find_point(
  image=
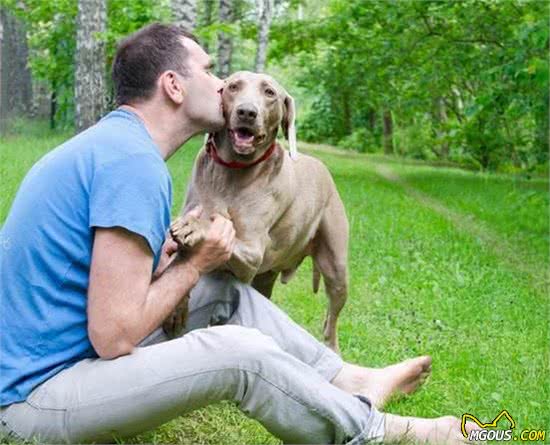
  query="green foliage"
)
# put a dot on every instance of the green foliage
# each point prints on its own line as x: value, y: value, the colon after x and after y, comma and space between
x: 360, y: 140
x: 485, y: 60
x: 416, y: 140
x: 52, y: 35
x: 126, y: 17
x: 465, y: 81
x: 51, y: 38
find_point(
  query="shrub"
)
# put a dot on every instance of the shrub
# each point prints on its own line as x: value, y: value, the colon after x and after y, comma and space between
x: 360, y: 140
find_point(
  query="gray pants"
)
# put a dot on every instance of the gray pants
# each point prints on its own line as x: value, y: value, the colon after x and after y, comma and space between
x: 238, y: 346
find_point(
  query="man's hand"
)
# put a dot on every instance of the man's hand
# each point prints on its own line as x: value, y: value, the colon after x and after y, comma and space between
x: 216, y: 247
x: 205, y: 243
x: 168, y: 254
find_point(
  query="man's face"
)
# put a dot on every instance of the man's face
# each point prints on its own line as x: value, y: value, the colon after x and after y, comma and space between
x: 202, y: 103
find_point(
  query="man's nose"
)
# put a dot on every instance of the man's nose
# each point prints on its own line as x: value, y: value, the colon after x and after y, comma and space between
x: 247, y: 112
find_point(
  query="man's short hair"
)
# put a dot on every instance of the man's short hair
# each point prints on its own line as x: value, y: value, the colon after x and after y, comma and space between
x: 143, y: 56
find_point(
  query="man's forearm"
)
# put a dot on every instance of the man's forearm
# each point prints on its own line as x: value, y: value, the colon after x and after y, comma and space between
x: 124, y: 305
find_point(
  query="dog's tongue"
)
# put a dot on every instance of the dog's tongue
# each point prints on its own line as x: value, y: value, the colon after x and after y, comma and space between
x: 243, y: 136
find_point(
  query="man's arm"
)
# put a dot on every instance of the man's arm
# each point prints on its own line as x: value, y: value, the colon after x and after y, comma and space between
x: 124, y: 306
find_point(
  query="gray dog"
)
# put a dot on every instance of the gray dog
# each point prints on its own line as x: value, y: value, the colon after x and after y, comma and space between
x: 284, y: 206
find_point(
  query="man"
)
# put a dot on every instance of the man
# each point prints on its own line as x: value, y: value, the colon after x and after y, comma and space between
x: 82, y: 355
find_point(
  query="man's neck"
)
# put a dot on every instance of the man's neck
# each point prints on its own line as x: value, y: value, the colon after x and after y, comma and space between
x: 167, y: 131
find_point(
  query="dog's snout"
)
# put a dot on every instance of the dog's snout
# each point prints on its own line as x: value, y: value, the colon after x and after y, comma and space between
x: 247, y: 112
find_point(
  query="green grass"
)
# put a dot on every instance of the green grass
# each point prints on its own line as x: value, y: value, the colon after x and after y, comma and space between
x: 509, y: 204
x: 421, y: 283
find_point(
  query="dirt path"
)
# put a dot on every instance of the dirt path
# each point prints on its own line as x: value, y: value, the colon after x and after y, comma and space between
x: 510, y: 254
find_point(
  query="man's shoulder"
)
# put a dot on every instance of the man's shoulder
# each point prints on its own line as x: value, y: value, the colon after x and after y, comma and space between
x: 115, y: 139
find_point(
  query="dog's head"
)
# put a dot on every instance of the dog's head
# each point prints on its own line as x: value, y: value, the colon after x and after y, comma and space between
x: 255, y: 106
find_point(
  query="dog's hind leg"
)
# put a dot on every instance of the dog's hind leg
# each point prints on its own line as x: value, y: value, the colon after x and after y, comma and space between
x: 330, y: 252
x: 264, y: 283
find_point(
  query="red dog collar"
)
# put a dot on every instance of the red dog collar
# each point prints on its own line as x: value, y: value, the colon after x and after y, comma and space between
x: 213, y: 153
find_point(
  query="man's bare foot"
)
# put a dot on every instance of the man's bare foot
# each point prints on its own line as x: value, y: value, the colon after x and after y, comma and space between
x: 379, y: 384
x: 438, y: 431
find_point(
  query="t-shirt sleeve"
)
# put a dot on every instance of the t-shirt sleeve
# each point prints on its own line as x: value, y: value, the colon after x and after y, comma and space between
x: 134, y: 193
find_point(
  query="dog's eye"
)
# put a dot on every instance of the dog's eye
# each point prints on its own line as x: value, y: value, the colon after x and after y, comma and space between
x: 232, y: 87
x: 269, y: 92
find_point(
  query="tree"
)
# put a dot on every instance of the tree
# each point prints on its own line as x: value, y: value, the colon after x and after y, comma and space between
x: 225, y: 40
x: 3, y: 101
x: 206, y: 20
x: 388, y: 132
x: 265, y: 14
x: 51, y: 29
x: 90, y: 94
x: 184, y: 13
x: 16, y: 82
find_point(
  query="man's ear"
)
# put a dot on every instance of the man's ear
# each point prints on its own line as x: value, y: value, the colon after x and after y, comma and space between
x: 170, y: 82
x: 288, y: 124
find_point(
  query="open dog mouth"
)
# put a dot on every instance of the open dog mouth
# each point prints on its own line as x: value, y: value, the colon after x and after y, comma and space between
x: 244, y: 140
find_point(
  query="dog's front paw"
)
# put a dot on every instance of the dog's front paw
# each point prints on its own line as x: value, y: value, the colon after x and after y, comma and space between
x: 175, y: 323
x: 187, y: 231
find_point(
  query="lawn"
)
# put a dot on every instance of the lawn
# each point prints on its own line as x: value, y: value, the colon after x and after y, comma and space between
x: 442, y: 262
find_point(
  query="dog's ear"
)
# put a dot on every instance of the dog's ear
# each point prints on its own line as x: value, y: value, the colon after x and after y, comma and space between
x: 288, y: 124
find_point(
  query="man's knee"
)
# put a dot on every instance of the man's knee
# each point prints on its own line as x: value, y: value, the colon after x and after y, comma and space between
x: 242, y: 338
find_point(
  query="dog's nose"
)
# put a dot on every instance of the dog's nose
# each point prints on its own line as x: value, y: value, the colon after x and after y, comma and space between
x: 247, y: 112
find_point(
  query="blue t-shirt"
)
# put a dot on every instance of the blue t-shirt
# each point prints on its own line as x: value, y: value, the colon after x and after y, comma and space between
x: 111, y: 175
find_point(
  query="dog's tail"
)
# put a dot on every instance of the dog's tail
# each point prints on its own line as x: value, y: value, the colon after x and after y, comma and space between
x: 316, y: 278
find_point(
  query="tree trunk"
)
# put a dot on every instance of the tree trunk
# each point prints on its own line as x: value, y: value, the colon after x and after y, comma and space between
x: 459, y: 102
x: 371, y: 117
x: 53, y: 106
x: 541, y: 130
x: 485, y: 158
x: 388, y: 132
x: 439, y: 118
x: 225, y: 41
x: 265, y: 14
x: 444, y: 149
x: 90, y: 93
x: 346, y: 112
x: 15, y: 75
x: 207, y: 19
x: 2, y: 88
x: 184, y: 13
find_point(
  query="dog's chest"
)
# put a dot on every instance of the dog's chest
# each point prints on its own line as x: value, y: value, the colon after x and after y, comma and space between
x: 269, y: 211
